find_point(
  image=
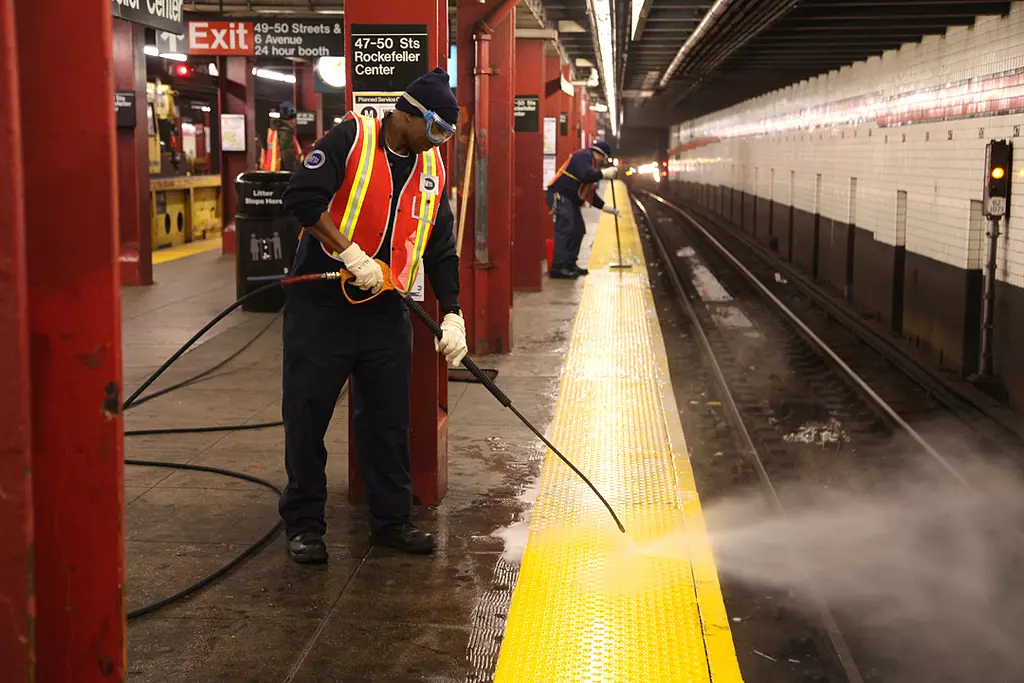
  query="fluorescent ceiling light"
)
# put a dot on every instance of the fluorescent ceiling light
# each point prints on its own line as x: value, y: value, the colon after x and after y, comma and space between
x: 637, y: 9
x: 176, y: 56
x: 214, y: 71
x: 601, y: 18
x: 273, y: 75
x: 337, y: 119
x: 275, y: 114
x: 712, y: 15
x: 151, y: 50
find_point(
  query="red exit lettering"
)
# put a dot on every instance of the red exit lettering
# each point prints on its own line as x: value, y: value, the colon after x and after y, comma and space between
x: 220, y: 38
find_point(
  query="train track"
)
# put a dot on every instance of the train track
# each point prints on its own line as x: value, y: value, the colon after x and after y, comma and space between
x: 778, y: 360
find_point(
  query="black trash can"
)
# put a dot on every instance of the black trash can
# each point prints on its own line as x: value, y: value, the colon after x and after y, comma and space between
x: 267, y: 237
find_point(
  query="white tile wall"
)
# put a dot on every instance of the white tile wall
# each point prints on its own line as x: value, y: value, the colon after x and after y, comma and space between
x: 827, y: 126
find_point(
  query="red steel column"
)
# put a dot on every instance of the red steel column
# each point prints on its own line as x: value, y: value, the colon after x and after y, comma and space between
x: 133, y: 158
x: 237, y: 96
x: 17, y: 651
x: 486, y: 84
x: 75, y: 333
x: 531, y: 212
x: 428, y: 429
x: 308, y: 99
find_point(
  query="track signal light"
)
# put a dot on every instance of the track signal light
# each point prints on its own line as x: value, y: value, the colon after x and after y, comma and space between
x: 998, y: 162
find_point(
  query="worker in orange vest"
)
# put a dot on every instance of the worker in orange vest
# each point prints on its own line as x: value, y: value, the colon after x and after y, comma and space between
x: 282, y: 152
x: 370, y: 190
x: 575, y: 184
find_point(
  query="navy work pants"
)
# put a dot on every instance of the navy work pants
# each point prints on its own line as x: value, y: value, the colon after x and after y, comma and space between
x: 569, y: 230
x: 326, y: 341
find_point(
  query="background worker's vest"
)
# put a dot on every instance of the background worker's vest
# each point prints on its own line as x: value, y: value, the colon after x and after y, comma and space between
x: 270, y: 159
x: 586, y: 191
x: 362, y: 205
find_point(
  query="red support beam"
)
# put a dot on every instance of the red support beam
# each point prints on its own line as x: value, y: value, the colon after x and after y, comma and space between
x: 532, y: 214
x: 74, y: 320
x: 487, y: 79
x: 133, y: 157
x: 17, y: 651
x: 237, y: 96
x: 428, y: 428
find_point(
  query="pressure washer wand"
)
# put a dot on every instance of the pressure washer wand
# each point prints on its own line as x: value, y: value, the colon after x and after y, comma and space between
x: 473, y: 368
x: 505, y: 401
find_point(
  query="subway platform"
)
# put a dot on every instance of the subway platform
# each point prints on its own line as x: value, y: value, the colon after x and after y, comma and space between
x: 583, y: 603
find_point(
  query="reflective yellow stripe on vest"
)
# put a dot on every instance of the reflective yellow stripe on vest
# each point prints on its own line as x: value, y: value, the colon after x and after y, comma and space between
x: 367, y: 151
x: 424, y: 221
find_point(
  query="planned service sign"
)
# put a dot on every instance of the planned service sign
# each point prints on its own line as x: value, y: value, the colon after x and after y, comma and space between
x: 163, y: 15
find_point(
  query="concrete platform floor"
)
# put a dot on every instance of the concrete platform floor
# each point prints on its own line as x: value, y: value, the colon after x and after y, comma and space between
x: 370, y: 614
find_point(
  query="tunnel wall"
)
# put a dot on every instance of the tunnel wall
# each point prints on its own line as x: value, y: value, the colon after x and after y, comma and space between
x: 870, y: 179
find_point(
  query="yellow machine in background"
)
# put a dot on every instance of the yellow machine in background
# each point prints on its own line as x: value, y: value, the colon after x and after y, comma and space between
x: 184, y: 207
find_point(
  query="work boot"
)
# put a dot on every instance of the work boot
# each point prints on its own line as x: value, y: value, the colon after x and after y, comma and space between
x: 307, y: 547
x: 563, y: 273
x: 406, y: 538
x: 581, y: 271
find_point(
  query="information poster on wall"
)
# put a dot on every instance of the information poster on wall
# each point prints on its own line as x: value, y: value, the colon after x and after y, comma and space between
x: 550, y: 169
x: 232, y: 132
x: 550, y: 135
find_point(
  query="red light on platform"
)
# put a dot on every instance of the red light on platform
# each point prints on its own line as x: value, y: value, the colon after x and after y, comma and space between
x: 183, y: 70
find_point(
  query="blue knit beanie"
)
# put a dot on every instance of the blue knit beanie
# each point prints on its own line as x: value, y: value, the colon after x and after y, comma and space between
x: 433, y: 91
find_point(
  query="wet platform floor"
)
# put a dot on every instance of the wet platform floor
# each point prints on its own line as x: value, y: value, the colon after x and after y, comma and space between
x: 371, y: 614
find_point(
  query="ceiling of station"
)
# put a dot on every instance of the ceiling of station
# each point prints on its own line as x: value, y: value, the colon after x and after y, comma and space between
x: 755, y: 46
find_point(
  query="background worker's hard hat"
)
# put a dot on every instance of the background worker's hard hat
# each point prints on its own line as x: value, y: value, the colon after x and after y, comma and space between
x: 287, y: 110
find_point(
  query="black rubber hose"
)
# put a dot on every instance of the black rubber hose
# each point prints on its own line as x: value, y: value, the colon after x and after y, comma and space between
x: 135, y: 400
x: 205, y: 373
x: 507, y: 403
x: 177, y: 354
x: 153, y: 607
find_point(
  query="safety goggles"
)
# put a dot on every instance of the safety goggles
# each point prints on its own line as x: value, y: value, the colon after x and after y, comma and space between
x: 439, y: 131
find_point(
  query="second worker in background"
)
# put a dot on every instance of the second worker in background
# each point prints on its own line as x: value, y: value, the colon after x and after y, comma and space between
x: 576, y: 184
x: 370, y: 190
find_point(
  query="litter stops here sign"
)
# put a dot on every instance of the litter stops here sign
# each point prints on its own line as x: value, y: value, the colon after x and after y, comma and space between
x: 385, y: 58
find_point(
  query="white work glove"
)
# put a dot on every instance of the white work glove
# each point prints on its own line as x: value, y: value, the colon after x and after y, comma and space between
x: 453, y: 340
x: 367, y: 272
x: 612, y: 210
x: 609, y: 172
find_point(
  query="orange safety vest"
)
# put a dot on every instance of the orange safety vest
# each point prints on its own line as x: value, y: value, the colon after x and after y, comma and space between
x: 362, y: 206
x: 270, y: 158
x: 586, y: 191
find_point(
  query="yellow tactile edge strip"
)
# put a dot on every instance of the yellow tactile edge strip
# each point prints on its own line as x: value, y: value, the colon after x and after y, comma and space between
x: 588, y: 606
x: 182, y: 250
